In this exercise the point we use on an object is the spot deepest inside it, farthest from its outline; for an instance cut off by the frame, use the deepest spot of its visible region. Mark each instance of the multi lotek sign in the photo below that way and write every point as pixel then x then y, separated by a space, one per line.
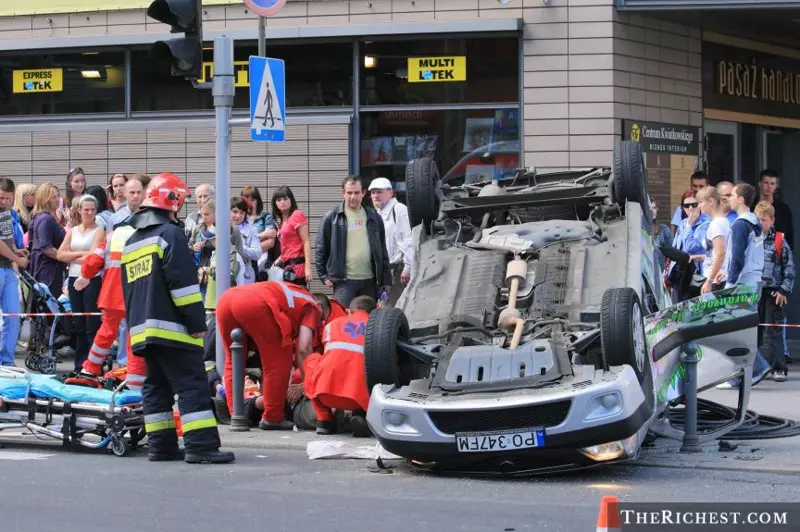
pixel 42 80
pixel 437 69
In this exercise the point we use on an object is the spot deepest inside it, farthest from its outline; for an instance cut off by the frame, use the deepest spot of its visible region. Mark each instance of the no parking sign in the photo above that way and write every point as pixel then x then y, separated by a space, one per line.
pixel 265 8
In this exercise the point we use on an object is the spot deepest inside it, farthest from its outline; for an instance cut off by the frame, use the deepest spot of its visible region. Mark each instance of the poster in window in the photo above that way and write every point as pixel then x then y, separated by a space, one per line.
pixel 506 125
pixel 478 132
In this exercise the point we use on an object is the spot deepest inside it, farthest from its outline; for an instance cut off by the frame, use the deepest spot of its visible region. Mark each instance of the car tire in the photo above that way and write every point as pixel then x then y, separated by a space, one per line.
pixel 384 327
pixel 422 181
pixel 622 330
pixel 630 178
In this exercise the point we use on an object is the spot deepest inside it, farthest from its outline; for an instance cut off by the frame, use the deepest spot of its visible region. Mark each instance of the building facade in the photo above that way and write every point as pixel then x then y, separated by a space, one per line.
pixel 483 86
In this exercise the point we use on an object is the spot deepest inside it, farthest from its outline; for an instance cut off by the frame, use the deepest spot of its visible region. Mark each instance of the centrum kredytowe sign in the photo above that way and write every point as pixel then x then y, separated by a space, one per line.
pixel 748 81
pixel 656 137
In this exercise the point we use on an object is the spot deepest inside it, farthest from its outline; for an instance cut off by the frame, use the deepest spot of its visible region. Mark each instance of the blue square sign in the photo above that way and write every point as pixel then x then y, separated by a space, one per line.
pixel 267 99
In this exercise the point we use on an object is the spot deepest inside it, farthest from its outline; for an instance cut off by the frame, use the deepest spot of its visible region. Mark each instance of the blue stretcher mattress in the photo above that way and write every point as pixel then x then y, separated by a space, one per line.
pixel 46 386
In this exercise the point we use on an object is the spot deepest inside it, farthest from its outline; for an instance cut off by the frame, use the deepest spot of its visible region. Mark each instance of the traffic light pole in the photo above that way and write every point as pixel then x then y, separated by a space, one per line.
pixel 223 90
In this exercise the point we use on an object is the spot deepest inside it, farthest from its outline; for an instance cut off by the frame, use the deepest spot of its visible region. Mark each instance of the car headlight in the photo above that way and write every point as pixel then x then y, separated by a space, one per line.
pixel 397 422
pixel 612 450
pixel 604 405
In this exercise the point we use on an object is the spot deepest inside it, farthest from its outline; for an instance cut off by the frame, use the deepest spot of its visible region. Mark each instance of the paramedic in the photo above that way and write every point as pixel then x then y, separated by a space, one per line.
pixel 282 320
pixel 337 378
pixel 111 301
pixel 166 322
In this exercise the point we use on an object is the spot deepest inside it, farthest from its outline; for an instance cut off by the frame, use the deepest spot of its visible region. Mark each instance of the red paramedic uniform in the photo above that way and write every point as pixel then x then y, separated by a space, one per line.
pixel 337 311
pixel 337 379
pixel 106 258
pixel 270 314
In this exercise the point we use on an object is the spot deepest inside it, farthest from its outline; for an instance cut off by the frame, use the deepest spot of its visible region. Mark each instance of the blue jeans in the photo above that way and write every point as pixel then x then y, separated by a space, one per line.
pixel 122 338
pixel 9 302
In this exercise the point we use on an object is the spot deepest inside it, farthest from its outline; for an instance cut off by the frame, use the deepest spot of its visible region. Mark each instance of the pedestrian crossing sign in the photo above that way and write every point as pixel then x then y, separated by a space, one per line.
pixel 267 99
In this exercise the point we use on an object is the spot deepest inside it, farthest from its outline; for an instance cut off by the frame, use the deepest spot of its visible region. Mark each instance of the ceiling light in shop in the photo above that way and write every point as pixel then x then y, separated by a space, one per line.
pixel 91 74
pixel 369 61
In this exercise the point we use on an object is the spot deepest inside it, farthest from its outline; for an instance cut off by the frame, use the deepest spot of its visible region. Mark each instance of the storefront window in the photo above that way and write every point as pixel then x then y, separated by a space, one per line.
pixel 421 72
pixel 317 75
pixel 49 83
pixel 470 146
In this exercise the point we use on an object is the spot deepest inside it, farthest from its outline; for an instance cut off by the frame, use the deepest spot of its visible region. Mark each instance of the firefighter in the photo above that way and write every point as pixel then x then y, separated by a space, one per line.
pixel 166 322
pixel 336 379
pixel 282 320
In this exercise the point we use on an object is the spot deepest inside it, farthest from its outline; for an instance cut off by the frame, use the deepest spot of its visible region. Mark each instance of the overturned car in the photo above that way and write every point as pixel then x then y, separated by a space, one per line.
pixel 535 334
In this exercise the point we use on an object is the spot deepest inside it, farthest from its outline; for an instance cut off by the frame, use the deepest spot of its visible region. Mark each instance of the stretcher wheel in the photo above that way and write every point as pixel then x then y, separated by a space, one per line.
pixel 47 365
pixel 118 445
pixel 32 362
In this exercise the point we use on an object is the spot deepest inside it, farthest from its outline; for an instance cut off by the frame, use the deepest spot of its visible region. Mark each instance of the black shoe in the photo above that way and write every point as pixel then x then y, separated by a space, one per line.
pixel 210 457
pixel 221 408
pixel 155 456
pixel 360 427
pixel 326 428
pixel 281 425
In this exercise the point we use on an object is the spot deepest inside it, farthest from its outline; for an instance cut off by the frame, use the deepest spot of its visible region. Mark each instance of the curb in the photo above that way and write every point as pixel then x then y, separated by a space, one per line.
pixel 765 470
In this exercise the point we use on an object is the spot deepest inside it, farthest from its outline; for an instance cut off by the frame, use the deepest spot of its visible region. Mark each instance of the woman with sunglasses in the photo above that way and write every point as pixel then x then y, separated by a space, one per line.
pixel 691 234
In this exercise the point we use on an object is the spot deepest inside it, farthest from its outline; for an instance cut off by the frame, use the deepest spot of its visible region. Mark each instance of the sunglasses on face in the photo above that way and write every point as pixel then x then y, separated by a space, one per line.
pixel 690 205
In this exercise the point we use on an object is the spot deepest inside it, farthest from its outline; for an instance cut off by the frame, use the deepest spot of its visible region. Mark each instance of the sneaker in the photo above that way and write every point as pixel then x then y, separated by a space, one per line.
pixel 779 376
pixel 725 386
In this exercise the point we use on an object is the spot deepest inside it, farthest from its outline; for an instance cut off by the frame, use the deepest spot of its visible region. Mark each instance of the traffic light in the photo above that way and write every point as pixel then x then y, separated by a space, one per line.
pixel 184 55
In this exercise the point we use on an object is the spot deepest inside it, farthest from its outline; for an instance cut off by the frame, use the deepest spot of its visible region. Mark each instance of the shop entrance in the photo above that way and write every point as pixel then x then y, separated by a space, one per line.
pixel 722 151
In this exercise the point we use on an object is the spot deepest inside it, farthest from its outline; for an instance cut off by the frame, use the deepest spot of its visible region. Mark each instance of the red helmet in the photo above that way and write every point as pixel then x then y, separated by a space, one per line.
pixel 167 192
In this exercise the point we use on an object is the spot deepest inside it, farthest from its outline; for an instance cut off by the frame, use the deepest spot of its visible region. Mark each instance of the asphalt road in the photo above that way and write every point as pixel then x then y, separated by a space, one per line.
pixel 45 489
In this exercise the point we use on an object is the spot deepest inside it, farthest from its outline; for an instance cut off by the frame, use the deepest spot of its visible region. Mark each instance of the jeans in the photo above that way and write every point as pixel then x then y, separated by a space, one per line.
pixel 771 338
pixel 85 326
pixel 345 291
pixel 9 302
pixel 122 350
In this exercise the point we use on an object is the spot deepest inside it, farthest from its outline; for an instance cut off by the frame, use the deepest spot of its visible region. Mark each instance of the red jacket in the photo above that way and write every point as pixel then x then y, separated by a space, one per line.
pixel 106 258
pixel 340 372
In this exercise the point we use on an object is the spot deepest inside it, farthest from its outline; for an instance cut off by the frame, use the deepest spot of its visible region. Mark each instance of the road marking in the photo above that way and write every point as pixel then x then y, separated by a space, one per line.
pixel 14 455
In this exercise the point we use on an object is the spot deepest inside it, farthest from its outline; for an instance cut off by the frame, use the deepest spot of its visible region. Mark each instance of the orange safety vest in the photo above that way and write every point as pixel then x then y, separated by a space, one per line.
pixel 340 372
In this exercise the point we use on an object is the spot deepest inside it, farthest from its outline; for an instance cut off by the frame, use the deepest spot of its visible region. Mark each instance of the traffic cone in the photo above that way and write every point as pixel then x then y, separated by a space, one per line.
pixel 608 519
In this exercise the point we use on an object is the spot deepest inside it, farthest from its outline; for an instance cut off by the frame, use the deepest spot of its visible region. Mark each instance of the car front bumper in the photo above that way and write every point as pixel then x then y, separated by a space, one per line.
pixel 423 429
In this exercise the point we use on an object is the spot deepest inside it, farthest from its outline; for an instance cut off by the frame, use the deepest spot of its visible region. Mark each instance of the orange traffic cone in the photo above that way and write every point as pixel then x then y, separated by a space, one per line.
pixel 608 519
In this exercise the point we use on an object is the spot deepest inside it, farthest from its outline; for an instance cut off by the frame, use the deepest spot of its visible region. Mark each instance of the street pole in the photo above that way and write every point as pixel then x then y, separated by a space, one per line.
pixel 262 36
pixel 223 91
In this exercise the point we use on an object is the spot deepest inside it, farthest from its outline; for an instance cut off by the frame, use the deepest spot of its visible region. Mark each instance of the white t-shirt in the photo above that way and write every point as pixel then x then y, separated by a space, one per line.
pixel 718 227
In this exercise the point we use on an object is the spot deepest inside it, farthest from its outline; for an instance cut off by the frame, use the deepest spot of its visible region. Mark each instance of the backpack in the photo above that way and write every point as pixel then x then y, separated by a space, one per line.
pixel 779 245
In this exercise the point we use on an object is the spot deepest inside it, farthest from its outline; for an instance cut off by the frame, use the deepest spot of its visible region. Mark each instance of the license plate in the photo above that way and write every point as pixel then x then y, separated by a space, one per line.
pixel 501 440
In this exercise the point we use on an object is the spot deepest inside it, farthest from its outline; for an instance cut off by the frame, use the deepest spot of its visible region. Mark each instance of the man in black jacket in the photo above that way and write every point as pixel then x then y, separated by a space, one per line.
pixel 351 247
pixel 767 188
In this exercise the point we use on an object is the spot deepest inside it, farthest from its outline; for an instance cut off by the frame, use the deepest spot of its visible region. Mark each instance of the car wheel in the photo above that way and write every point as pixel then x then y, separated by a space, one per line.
pixel 630 177
pixel 384 327
pixel 622 330
pixel 422 180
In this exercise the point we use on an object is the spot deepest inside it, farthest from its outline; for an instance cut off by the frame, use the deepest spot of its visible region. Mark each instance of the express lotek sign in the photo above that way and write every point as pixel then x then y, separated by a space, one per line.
pixel 656 137
pixel 41 80
pixel 437 69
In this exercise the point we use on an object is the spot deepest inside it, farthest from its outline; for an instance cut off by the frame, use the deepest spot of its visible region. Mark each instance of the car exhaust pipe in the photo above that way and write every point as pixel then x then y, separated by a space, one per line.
pixel 510 317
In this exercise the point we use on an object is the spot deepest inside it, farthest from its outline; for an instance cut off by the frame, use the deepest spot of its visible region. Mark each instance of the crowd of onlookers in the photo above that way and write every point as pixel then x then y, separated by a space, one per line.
pixel 735 235
pixel 49 230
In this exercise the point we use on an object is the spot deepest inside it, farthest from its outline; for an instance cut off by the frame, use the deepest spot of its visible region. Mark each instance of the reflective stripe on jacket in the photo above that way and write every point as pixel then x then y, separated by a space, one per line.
pixel 159 281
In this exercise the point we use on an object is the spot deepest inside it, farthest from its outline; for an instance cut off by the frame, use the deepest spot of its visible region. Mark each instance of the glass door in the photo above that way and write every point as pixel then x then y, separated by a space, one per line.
pixel 722 151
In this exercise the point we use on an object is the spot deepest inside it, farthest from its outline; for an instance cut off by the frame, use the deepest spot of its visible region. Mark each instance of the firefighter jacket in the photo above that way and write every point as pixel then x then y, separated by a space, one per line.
pixel 106 258
pixel 159 281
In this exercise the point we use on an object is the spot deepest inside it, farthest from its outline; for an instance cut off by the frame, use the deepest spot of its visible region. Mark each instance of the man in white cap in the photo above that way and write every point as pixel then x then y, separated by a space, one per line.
pixel 399 244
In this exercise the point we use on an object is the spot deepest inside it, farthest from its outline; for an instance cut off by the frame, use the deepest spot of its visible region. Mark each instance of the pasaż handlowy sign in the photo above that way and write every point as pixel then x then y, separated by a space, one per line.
pixel 437 69
pixel 39 80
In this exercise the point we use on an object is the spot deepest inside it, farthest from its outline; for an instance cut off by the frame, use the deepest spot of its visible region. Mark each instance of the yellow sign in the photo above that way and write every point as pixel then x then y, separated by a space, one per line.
pixel 433 69
pixel 240 71
pixel 139 268
pixel 49 7
pixel 42 80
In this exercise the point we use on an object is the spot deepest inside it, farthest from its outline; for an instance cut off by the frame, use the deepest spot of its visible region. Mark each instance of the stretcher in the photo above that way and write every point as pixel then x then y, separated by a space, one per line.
pixel 78 416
